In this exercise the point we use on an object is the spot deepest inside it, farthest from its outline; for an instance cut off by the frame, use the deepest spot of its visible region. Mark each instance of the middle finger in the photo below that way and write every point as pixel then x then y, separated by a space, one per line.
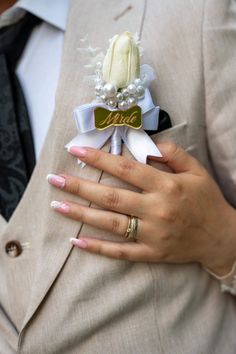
pixel 120 200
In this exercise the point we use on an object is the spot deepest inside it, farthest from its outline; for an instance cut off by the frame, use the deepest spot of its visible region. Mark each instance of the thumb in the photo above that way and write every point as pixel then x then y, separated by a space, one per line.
pixel 177 158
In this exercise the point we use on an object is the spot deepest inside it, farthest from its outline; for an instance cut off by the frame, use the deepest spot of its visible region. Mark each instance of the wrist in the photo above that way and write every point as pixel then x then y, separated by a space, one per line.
pixel 228 281
pixel 222 256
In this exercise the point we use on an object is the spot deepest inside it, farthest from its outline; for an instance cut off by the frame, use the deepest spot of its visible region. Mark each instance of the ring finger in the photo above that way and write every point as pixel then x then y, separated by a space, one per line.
pixel 106 220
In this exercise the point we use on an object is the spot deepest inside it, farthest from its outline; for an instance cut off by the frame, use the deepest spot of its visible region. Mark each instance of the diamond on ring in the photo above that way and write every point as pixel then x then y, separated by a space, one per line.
pixel 132 228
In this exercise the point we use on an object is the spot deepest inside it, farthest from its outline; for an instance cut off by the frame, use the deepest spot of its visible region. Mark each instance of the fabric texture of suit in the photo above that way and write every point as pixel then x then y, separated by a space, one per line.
pixel 57 299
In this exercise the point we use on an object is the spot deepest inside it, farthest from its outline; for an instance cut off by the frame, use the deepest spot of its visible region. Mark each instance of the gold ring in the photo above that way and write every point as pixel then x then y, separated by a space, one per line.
pixel 132 228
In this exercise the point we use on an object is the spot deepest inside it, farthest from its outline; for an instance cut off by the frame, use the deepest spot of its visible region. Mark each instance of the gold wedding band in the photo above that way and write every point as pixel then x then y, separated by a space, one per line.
pixel 132 228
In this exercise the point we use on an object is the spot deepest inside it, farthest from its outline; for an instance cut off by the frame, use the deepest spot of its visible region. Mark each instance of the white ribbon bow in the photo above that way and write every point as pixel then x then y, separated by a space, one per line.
pixel 137 141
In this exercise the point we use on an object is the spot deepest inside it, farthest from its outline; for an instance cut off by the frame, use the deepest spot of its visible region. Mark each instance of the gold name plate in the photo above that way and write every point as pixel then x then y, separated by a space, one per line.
pixel 105 118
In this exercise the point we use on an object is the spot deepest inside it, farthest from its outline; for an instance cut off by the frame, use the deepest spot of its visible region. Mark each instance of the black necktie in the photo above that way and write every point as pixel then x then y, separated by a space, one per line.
pixel 17 157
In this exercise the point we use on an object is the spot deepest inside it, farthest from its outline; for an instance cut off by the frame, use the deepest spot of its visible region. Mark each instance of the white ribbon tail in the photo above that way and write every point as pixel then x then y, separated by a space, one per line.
pixel 140 144
pixel 95 139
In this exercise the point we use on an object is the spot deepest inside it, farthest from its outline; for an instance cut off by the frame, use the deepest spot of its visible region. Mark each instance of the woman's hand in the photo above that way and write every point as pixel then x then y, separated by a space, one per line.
pixel 183 216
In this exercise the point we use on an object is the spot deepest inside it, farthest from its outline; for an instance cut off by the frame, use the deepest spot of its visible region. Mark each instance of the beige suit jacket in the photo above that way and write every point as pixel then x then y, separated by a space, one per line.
pixel 57 299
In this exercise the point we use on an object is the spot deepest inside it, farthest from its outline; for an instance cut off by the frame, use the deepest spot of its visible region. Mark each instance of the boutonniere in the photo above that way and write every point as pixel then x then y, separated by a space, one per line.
pixel 123 108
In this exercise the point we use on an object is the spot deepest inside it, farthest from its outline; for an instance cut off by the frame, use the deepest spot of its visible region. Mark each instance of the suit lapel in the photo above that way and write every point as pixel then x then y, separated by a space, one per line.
pixel 48 232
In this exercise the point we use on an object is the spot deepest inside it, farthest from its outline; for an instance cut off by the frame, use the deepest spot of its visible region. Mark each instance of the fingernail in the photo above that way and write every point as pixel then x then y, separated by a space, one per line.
pixel 60 206
pixel 79 243
pixel 77 151
pixel 56 180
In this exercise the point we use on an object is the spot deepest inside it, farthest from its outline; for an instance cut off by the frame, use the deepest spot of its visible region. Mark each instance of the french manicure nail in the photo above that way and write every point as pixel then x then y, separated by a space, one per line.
pixel 79 243
pixel 56 180
pixel 60 206
pixel 78 151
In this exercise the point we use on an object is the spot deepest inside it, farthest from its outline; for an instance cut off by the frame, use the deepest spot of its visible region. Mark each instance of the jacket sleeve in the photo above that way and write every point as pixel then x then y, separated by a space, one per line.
pixel 219 54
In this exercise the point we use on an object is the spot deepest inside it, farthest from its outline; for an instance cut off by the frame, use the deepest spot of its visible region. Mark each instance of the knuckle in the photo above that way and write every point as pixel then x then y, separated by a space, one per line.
pixel 163 255
pixel 72 185
pixel 167 215
pixel 165 237
pixel 115 225
pixel 82 214
pixel 77 212
pixel 95 157
pixel 173 187
pixel 98 249
pixel 75 187
pixel 125 167
pixel 173 148
pixel 110 198
pixel 121 254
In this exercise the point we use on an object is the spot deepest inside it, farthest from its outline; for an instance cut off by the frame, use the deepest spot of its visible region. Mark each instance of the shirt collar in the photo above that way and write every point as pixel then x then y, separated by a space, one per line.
pixel 54 12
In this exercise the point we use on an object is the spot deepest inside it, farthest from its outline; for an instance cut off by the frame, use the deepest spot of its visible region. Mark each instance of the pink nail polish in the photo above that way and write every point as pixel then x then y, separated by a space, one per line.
pixel 56 180
pixel 60 206
pixel 78 242
pixel 78 151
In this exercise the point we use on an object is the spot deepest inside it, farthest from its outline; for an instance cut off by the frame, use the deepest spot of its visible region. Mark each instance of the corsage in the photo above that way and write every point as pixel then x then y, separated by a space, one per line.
pixel 123 108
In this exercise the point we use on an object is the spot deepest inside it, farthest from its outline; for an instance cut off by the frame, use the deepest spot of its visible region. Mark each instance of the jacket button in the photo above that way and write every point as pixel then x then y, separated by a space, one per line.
pixel 13 249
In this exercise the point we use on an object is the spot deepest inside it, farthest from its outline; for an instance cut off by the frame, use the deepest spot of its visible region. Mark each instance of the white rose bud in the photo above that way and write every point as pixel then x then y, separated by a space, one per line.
pixel 121 64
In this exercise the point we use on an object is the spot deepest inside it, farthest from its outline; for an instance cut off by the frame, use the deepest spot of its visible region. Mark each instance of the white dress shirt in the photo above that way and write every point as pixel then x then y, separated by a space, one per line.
pixel 39 66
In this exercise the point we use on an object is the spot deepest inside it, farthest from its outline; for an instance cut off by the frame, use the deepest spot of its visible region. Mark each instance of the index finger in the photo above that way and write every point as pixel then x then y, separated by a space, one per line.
pixel 139 175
